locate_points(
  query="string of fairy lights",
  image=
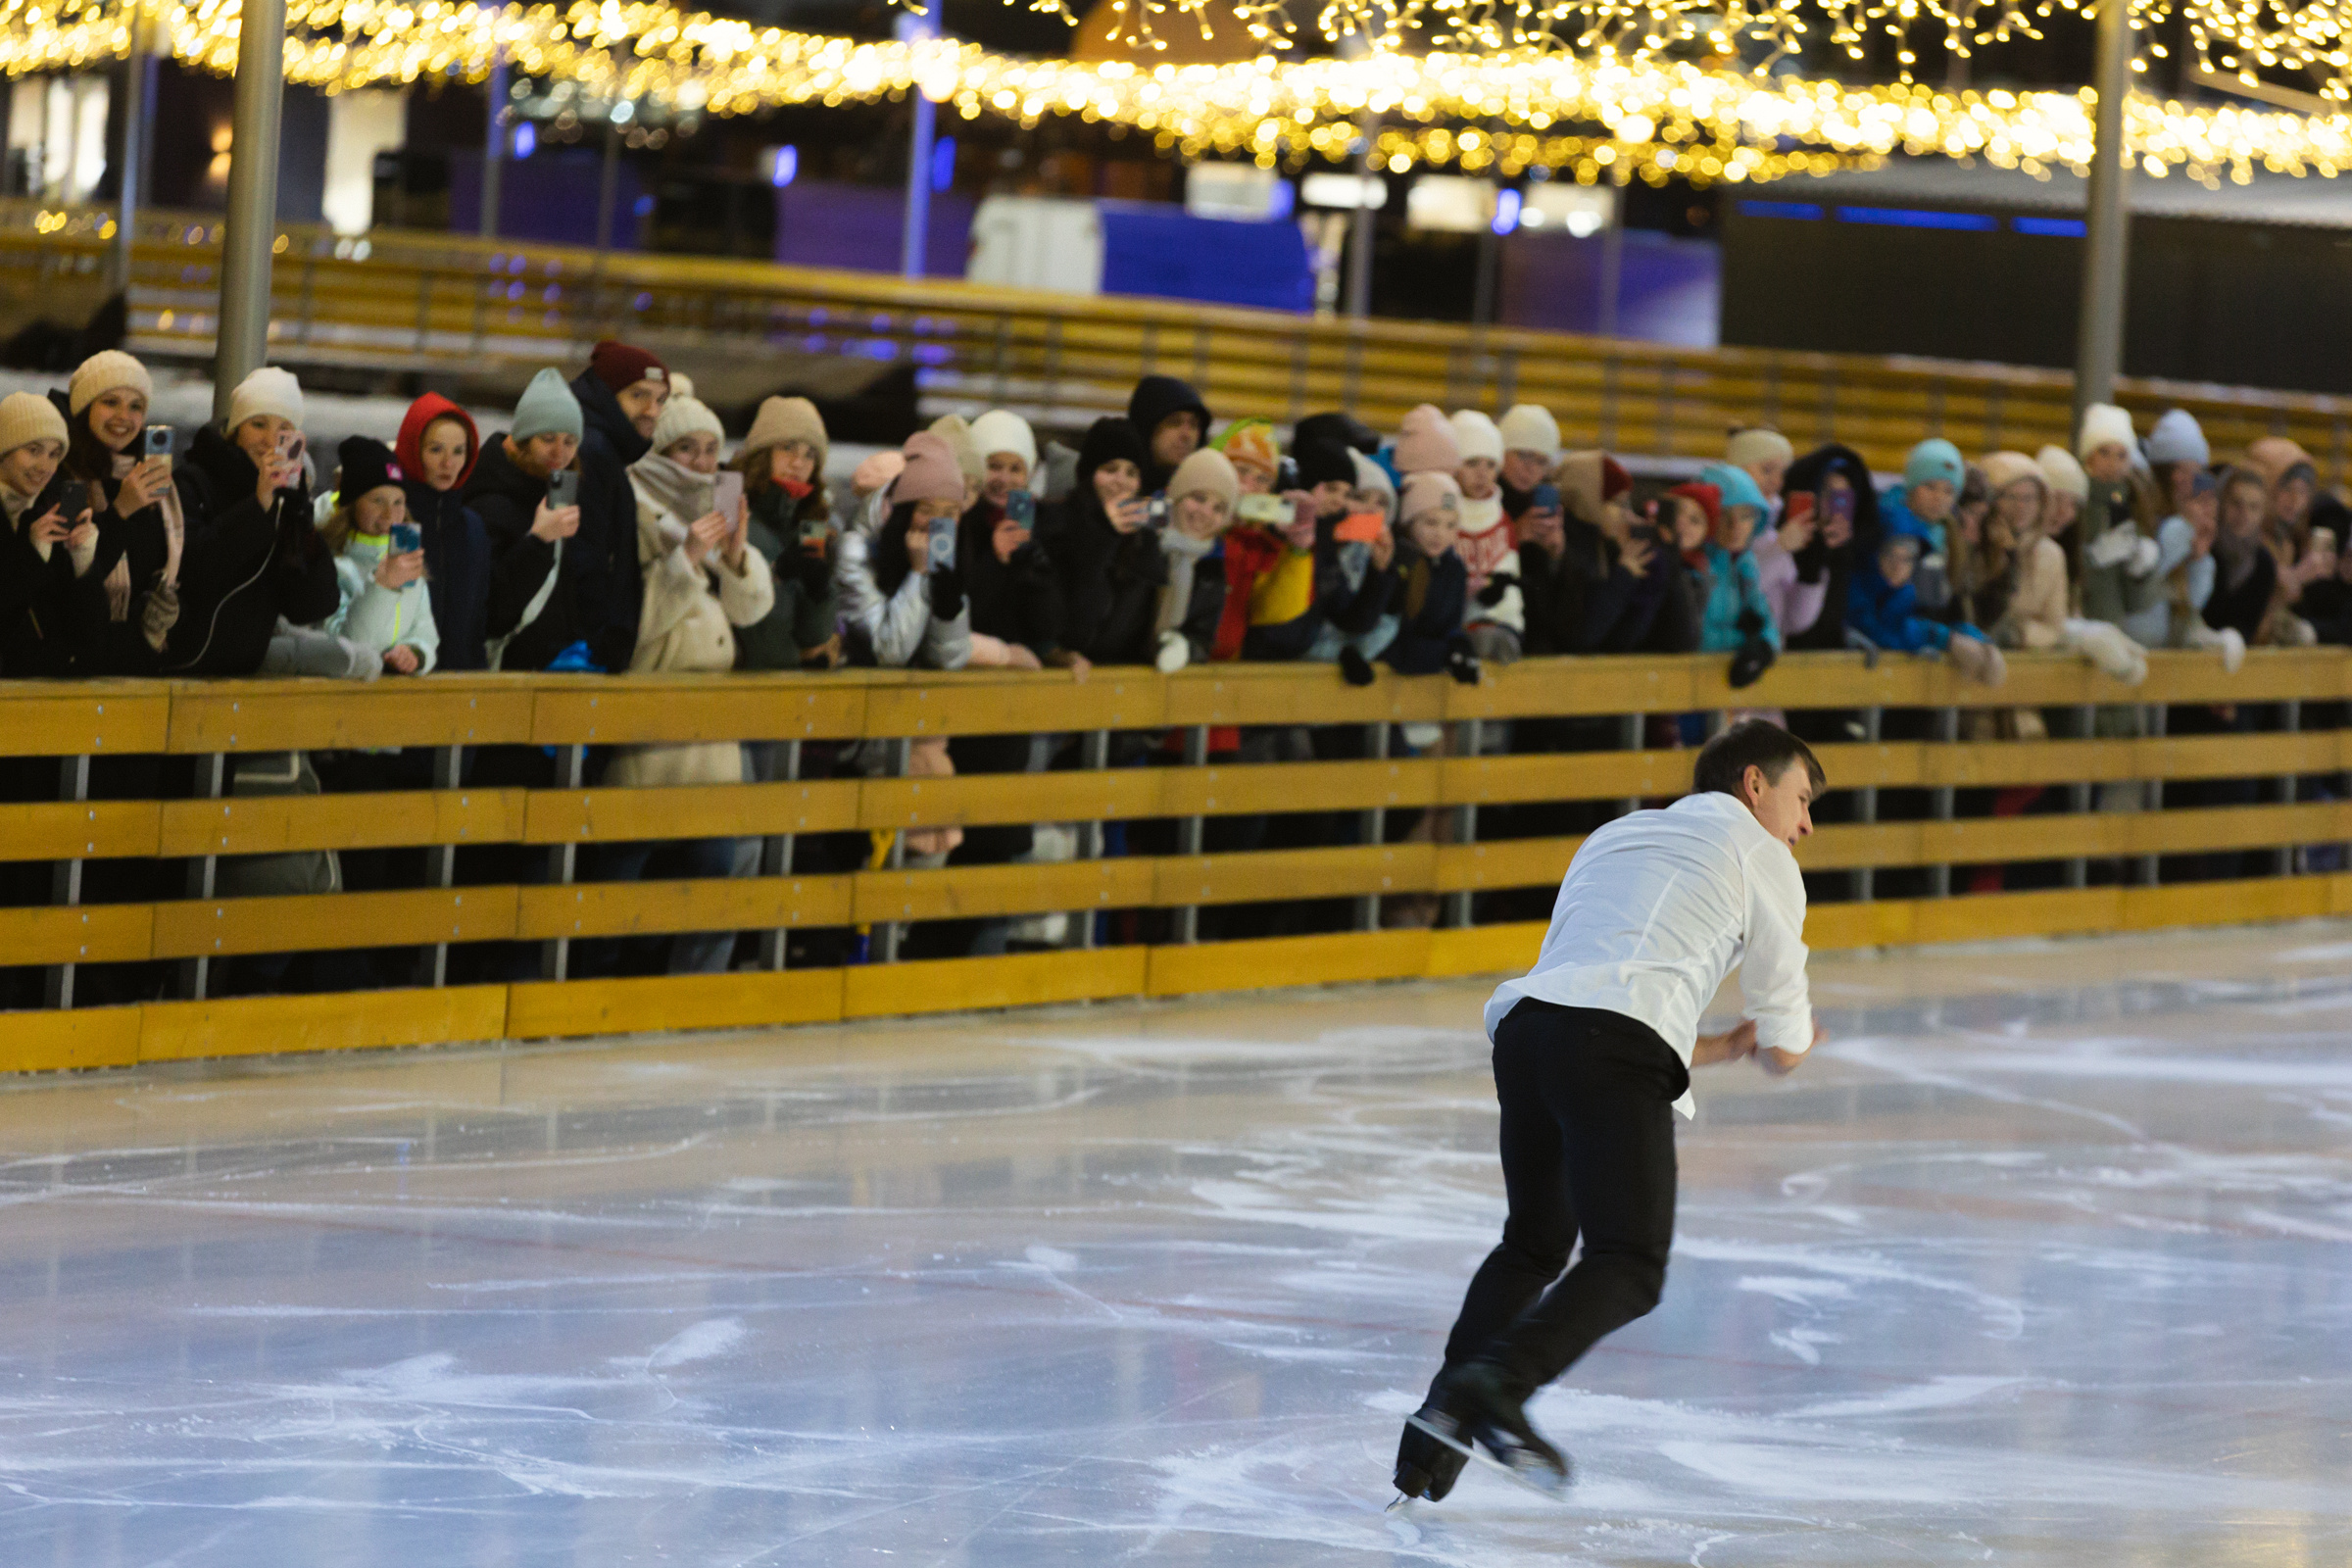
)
(1598, 97)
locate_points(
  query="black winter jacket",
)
(608, 444)
(508, 500)
(245, 566)
(1429, 599)
(1586, 602)
(457, 572)
(1109, 581)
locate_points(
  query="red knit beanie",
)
(621, 365)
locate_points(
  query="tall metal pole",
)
(2099, 345)
(494, 145)
(134, 146)
(915, 244)
(1361, 223)
(250, 234)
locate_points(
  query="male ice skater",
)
(1593, 1052)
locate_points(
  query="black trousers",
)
(1588, 1147)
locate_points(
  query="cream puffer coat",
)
(688, 624)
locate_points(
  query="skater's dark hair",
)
(1752, 743)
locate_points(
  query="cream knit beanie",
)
(268, 390)
(998, 431)
(2104, 424)
(1475, 437)
(104, 371)
(1530, 427)
(27, 418)
(682, 418)
(782, 419)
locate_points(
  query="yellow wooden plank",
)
(1370, 869)
(1564, 776)
(588, 709)
(1272, 961)
(259, 825)
(1299, 694)
(274, 715)
(86, 718)
(996, 705)
(1015, 980)
(711, 904)
(691, 811)
(967, 800)
(542, 1009)
(77, 830)
(89, 933)
(1503, 864)
(352, 1020)
(1994, 916)
(965, 891)
(206, 928)
(1296, 787)
(1576, 686)
(2234, 903)
(1485, 949)
(1830, 927)
(59, 1040)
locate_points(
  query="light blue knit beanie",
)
(547, 407)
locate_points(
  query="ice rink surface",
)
(2049, 1261)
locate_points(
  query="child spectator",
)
(386, 609)
(790, 527)
(437, 449)
(899, 610)
(1885, 610)
(1763, 454)
(1846, 508)
(1432, 584)
(1250, 447)
(1922, 507)
(1530, 446)
(1202, 494)
(2244, 572)
(2176, 452)
(1734, 611)
(1487, 544)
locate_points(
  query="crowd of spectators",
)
(607, 527)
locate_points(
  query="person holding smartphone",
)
(546, 592)
(783, 467)
(901, 593)
(260, 557)
(50, 538)
(1105, 544)
(380, 562)
(144, 508)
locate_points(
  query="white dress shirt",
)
(1659, 906)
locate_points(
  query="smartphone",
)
(1799, 508)
(1361, 528)
(943, 544)
(726, 493)
(1271, 511)
(1021, 507)
(1546, 496)
(156, 442)
(1841, 504)
(1156, 514)
(814, 530)
(72, 500)
(2322, 541)
(407, 539)
(563, 489)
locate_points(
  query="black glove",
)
(1354, 669)
(1461, 662)
(813, 571)
(947, 594)
(1502, 583)
(1755, 657)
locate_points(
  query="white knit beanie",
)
(2064, 474)
(27, 418)
(268, 390)
(682, 418)
(1757, 444)
(998, 431)
(1475, 437)
(102, 372)
(1530, 427)
(2104, 424)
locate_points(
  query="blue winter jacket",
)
(1885, 614)
(1732, 589)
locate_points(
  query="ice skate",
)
(1475, 1408)
(1427, 1467)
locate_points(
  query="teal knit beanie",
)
(1932, 460)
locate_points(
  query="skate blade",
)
(1538, 1477)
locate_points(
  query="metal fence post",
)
(885, 944)
(1189, 835)
(564, 862)
(2290, 713)
(1465, 823)
(212, 783)
(1093, 754)
(775, 860)
(1866, 804)
(2149, 870)
(1939, 802)
(441, 860)
(2079, 797)
(1371, 825)
(74, 785)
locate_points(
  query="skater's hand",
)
(1780, 1063)
(1730, 1047)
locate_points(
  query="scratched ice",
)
(2046, 1262)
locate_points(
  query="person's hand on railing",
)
(551, 523)
(824, 656)
(401, 659)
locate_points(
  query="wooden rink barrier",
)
(211, 722)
